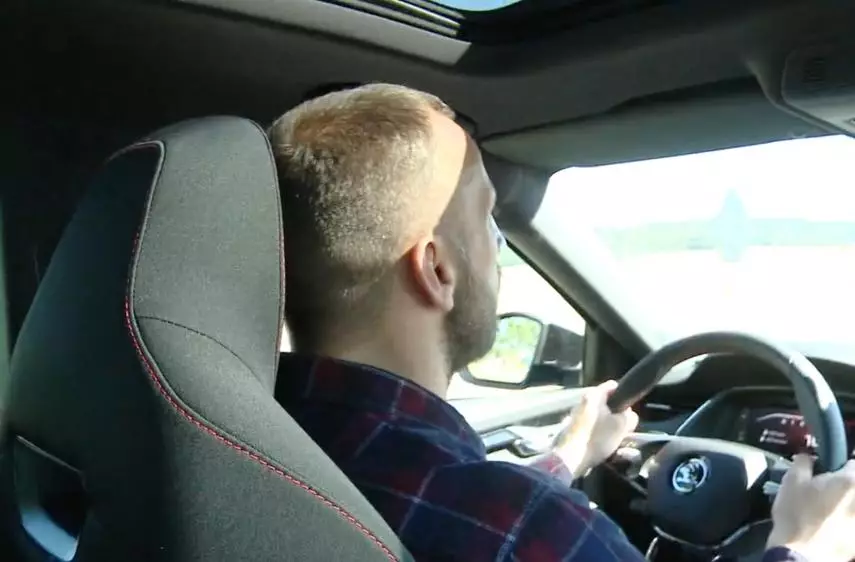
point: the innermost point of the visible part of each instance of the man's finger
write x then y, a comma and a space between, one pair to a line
586, 411
608, 386
596, 395
801, 470
631, 420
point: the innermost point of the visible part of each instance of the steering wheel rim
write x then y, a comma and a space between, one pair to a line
814, 397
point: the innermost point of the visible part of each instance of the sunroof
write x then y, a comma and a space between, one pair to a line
476, 5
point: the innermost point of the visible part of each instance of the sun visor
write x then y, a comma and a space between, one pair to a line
819, 82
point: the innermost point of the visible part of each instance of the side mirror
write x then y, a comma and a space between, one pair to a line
528, 352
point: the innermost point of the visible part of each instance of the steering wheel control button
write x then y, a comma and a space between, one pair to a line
770, 489
628, 454
778, 470
690, 475
639, 505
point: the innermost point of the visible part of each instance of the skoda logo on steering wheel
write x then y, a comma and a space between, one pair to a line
690, 475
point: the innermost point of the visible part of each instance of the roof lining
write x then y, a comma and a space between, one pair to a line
731, 114
264, 59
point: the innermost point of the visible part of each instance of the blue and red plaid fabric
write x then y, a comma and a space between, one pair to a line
425, 470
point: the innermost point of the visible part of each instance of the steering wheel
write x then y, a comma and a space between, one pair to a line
706, 493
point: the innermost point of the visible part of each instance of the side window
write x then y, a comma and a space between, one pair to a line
522, 291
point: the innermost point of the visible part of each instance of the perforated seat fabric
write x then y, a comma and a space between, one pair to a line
142, 423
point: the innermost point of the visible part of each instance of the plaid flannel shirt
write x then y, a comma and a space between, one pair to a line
425, 470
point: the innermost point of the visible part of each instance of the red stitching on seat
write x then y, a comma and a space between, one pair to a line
237, 446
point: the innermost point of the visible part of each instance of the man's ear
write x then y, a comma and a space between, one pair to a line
431, 270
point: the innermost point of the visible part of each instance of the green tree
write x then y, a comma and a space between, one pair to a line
513, 351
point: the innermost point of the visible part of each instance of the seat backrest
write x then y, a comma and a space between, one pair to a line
142, 423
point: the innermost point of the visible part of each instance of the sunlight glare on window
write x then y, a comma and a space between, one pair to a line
476, 5
756, 239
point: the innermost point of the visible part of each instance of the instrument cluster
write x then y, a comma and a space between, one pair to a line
783, 432
764, 417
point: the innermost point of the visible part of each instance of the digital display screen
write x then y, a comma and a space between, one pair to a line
785, 432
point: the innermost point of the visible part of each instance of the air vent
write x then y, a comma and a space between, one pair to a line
815, 71
819, 82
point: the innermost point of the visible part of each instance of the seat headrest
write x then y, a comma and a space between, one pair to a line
141, 397
193, 233
209, 249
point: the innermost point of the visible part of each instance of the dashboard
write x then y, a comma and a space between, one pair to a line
764, 417
729, 397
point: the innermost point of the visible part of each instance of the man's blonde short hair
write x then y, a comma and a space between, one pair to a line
353, 166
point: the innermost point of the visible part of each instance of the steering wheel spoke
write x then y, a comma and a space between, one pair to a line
748, 539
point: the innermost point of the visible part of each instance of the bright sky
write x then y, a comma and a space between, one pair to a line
801, 178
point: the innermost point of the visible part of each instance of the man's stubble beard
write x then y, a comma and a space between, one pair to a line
470, 327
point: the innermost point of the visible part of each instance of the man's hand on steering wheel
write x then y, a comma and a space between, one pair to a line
592, 432
814, 515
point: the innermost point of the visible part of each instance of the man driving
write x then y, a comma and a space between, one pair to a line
392, 283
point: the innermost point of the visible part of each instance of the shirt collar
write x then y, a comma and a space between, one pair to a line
306, 378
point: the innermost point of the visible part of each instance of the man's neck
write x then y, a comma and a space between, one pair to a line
426, 369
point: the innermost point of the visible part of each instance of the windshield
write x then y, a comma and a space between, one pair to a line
758, 239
